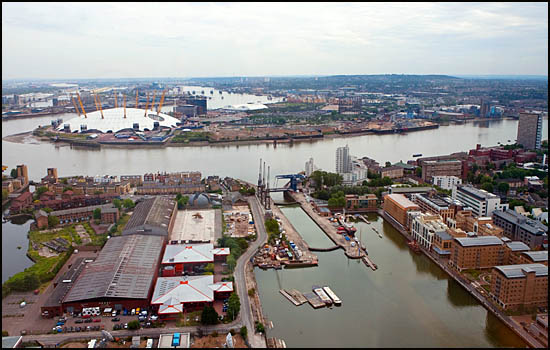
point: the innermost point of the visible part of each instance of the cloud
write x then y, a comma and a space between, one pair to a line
57, 40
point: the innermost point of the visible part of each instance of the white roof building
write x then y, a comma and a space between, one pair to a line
171, 293
192, 253
114, 120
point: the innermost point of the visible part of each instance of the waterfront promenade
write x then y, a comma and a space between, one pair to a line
468, 286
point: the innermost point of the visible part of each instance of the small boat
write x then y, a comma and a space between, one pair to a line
414, 246
321, 294
333, 296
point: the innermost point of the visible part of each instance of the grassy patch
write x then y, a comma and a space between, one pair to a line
472, 274
121, 224
191, 316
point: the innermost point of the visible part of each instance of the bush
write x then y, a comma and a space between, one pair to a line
53, 221
233, 306
133, 324
209, 315
251, 292
260, 327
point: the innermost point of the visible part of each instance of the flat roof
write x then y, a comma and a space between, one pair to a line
478, 241
11, 342
165, 340
171, 292
192, 253
436, 199
194, 225
518, 271
401, 201
475, 192
541, 255
124, 268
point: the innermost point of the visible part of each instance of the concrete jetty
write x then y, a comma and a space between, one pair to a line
314, 300
328, 228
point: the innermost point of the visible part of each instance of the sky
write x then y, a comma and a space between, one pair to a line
141, 40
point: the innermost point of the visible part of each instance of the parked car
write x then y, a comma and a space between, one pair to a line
116, 319
126, 326
97, 320
79, 321
88, 320
154, 317
116, 327
78, 329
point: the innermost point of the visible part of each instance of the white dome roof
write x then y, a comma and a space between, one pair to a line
114, 120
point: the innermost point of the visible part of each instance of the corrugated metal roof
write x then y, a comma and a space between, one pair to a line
517, 271
187, 289
478, 241
123, 269
155, 211
541, 255
517, 246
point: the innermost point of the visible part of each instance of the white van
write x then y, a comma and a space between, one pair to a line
149, 343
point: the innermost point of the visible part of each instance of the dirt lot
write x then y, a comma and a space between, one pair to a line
217, 342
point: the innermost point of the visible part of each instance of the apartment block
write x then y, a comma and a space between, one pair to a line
476, 252
397, 206
526, 285
446, 182
435, 204
530, 130
481, 202
520, 228
425, 226
433, 168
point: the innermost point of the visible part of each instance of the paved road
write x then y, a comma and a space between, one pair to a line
246, 311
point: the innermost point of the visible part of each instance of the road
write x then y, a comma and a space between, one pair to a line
256, 341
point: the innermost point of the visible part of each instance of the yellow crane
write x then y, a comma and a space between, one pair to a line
146, 105
116, 104
124, 106
152, 104
75, 106
100, 109
161, 102
136, 98
81, 105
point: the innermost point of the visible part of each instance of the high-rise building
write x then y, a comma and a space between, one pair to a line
343, 160
23, 172
310, 168
530, 130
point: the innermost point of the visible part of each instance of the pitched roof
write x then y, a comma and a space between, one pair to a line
192, 253
517, 271
478, 241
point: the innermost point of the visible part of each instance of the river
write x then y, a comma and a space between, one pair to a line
408, 302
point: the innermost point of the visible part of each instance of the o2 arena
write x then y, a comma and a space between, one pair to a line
113, 120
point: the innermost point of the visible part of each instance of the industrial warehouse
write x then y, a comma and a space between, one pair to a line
125, 273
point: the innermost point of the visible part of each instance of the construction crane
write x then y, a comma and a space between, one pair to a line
75, 106
100, 109
146, 105
136, 98
116, 105
161, 102
124, 106
152, 104
81, 105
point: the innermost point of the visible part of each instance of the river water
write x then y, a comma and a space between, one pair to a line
408, 302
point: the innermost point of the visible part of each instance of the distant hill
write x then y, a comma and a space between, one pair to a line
513, 77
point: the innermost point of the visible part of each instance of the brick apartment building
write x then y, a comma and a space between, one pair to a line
397, 206
526, 285
433, 168
476, 252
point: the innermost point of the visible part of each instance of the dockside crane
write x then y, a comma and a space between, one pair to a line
161, 102
81, 105
124, 106
146, 105
75, 106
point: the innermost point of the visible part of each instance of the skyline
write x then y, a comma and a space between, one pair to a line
69, 40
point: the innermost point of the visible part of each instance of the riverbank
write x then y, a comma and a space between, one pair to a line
466, 285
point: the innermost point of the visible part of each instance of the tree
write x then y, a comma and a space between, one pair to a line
128, 203
68, 188
4, 195
244, 332
178, 196
133, 324
13, 173
48, 209
117, 203
387, 165
31, 281
260, 327
503, 187
251, 191
209, 315
97, 213
53, 221
231, 262
487, 186
209, 267
64, 181
39, 191
233, 306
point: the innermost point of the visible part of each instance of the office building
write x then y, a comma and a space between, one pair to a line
525, 285
520, 228
481, 202
435, 204
446, 182
425, 226
530, 130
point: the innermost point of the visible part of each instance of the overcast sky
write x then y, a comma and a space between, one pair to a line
130, 40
